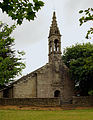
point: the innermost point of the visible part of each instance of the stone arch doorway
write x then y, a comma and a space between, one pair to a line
57, 93
6, 93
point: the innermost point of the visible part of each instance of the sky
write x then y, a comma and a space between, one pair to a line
32, 37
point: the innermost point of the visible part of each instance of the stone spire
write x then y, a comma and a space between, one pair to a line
54, 41
54, 28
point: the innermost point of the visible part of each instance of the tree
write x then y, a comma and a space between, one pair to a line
88, 16
20, 9
10, 65
79, 59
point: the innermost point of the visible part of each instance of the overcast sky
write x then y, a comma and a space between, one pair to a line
32, 37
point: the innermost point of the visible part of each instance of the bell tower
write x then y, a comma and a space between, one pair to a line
54, 40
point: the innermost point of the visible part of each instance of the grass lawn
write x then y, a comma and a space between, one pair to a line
46, 115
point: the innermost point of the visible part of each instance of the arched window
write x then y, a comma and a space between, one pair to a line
56, 45
50, 46
57, 93
56, 31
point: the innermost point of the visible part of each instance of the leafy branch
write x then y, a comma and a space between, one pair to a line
88, 16
20, 9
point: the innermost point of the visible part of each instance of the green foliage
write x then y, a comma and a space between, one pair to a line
79, 59
90, 92
88, 16
20, 9
10, 65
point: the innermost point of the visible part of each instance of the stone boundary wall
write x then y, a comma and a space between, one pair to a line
77, 101
30, 101
83, 101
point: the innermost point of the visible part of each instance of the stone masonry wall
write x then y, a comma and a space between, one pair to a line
68, 85
44, 81
25, 88
83, 100
31, 101
77, 101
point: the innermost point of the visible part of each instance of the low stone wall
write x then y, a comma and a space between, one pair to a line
83, 101
77, 101
31, 101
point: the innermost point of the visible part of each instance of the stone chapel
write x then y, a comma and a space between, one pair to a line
49, 81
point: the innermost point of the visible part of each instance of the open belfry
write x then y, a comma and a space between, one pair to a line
54, 41
50, 81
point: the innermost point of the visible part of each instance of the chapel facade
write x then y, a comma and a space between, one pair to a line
50, 81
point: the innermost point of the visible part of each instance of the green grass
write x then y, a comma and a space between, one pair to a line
46, 115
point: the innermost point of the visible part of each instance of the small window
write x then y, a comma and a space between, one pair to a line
56, 32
